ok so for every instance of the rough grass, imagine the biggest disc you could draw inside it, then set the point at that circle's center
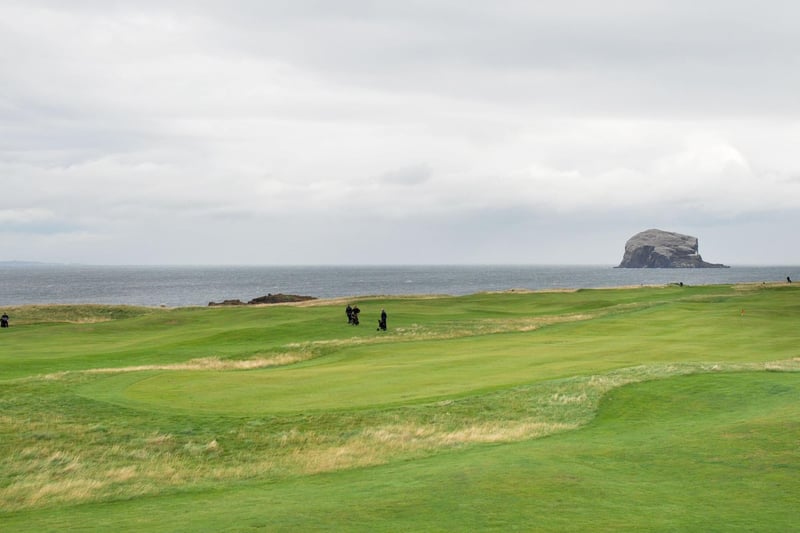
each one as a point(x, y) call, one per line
point(68, 460)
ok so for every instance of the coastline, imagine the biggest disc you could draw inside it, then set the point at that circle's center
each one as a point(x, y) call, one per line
point(344, 300)
point(197, 286)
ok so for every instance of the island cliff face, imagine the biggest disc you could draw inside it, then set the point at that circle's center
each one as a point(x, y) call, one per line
point(655, 248)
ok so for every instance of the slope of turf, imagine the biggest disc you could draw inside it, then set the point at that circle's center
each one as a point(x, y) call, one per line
point(646, 408)
point(702, 453)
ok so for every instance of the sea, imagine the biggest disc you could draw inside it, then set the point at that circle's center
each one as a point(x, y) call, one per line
point(183, 286)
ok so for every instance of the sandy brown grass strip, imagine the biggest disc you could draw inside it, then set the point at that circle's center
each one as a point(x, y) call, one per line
point(201, 364)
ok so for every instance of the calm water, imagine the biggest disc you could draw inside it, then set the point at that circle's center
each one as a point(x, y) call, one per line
point(177, 286)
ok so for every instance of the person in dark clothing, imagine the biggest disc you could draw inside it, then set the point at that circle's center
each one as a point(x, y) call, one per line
point(789, 279)
point(4, 321)
point(356, 310)
point(349, 312)
point(382, 321)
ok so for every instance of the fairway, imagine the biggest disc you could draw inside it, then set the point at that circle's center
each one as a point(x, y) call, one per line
point(657, 408)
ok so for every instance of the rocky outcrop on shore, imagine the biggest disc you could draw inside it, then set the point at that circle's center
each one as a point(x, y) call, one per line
point(655, 248)
point(268, 299)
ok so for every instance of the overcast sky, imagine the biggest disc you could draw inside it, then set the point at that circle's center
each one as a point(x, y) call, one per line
point(388, 132)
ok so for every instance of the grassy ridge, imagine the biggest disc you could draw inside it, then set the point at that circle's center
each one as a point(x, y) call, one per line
point(202, 407)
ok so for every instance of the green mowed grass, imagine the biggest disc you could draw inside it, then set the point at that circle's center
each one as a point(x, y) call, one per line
point(391, 373)
point(638, 409)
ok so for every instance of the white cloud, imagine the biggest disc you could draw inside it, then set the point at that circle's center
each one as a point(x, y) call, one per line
point(25, 215)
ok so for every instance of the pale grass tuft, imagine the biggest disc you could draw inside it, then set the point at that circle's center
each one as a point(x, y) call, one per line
point(566, 399)
point(406, 437)
point(377, 446)
point(89, 320)
point(122, 475)
point(199, 449)
point(67, 490)
point(59, 457)
point(790, 365)
point(409, 437)
point(201, 364)
point(351, 455)
point(751, 286)
point(55, 376)
point(510, 432)
point(159, 439)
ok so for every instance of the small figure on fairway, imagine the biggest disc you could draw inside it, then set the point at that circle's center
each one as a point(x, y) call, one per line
point(788, 279)
point(349, 312)
point(382, 321)
point(354, 314)
point(4, 321)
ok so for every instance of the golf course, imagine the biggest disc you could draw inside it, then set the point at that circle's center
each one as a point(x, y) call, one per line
point(655, 408)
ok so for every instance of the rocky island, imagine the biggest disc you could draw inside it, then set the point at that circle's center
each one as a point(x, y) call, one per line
point(268, 299)
point(655, 248)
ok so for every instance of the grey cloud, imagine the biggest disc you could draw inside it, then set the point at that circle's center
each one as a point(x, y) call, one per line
point(148, 126)
point(412, 175)
point(602, 57)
